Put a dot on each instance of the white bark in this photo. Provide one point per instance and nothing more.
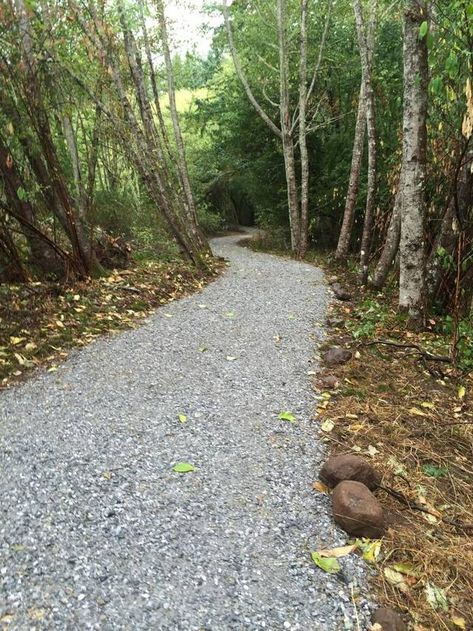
(412, 248)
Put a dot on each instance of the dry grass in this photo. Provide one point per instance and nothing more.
(416, 427)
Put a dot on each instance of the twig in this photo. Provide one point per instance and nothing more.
(424, 354)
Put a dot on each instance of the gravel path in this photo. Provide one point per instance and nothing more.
(98, 532)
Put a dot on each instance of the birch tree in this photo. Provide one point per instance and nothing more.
(412, 247)
(292, 126)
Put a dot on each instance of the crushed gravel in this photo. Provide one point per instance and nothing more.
(98, 532)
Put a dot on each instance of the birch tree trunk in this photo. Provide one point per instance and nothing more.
(412, 248)
(366, 42)
(183, 171)
(343, 245)
(286, 130)
(304, 210)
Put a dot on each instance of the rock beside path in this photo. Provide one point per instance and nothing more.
(387, 620)
(357, 511)
(349, 467)
(336, 356)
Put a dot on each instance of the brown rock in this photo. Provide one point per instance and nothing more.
(328, 382)
(348, 467)
(336, 356)
(340, 292)
(388, 620)
(356, 510)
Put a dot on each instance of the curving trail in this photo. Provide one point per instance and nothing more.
(98, 532)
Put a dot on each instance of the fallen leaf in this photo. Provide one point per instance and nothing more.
(336, 553)
(428, 405)
(202, 349)
(183, 467)
(168, 315)
(461, 392)
(287, 416)
(16, 340)
(230, 358)
(327, 425)
(320, 487)
(459, 622)
(397, 579)
(182, 418)
(406, 569)
(417, 412)
(230, 314)
(436, 597)
(352, 416)
(331, 566)
(371, 549)
(372, 451)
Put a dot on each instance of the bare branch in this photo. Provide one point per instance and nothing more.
(241, 75)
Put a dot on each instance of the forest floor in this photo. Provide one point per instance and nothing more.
(41, 322)
(412, 417)
(163, 477)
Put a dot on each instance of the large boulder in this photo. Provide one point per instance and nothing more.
(357, 511)
(336, 356)
(388, 620)
(349, 467)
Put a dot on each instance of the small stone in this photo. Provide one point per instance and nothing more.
(336, 356)
(388, 620)
(328, 382)
(357, 511)
(349, 467)
(340, 292)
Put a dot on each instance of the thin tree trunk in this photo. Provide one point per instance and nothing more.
(343, 246)
(365, 44)
(391, 243)
(71, 142)
(412, 247)
(287, 136)
(304, 210)
(181, 153)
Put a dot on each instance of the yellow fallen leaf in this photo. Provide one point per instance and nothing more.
(107, 475)
(417, 412)
(320, 487)
(353, 416)
(461, 392)
(335, 553)
(356, 427)
(427, 404)
(327, 425)
(459, 622)
(16, 340)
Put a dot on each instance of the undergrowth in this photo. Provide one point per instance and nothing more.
(409, 413)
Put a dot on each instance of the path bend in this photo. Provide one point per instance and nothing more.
(98, 532)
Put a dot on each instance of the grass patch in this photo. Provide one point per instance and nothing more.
(41, 322)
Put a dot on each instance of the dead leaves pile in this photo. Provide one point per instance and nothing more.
(41, 322)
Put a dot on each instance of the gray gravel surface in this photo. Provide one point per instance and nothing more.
(98, 532)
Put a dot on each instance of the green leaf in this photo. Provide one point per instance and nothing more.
(424, 27)
(329, 565)
(287, 416)
(434, 471)
(183, 467)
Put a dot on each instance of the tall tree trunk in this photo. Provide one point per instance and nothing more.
(286, 130)
(343, 246)
(304, 219)
(66, 213)
(71, 142)
(191, 212)
(365, 37)
(412, 247)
